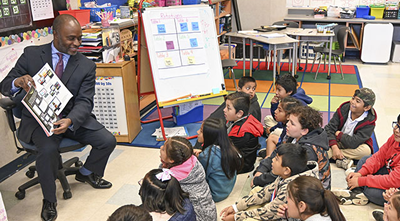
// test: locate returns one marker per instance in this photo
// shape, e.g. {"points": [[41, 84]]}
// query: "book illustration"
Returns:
{"points": [[48, 99]]}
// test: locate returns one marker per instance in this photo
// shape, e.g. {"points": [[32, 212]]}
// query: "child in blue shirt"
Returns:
{"points": [[220, 159]]}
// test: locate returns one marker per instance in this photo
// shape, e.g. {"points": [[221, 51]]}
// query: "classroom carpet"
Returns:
{"points": [[327, 96]]}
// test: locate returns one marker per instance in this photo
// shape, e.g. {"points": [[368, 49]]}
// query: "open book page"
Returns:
{"points": [[48, 99]]}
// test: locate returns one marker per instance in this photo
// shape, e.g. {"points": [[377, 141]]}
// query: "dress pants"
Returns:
{"points": [[48, 157]]}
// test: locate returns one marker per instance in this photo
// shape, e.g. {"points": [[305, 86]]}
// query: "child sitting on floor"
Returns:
{"points": [[247, 85], [162, 196], [309, 201], [304, 128], [263, 174], [350, 129], [220, 159], [289, 163], [177, 155], [286, 85], [243, 128]]}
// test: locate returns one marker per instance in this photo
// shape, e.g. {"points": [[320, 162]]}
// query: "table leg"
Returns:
{"points": [[244, 56], [251, 57], [330, 54], [294, 64], [229, 47], [308, 49]]}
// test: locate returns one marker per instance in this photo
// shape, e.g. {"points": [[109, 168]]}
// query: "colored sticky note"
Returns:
{"points": [[161, 29], [215, 90], [191, 60], [184, 26], [195, 26], [193, 42], [168, 61], [170, 45]]}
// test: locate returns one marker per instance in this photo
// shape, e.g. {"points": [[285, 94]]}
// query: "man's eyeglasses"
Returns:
{"points": [[395, 125]]}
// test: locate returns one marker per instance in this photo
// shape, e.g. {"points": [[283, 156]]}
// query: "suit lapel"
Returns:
{"points": [[70, 68], [46, 55]]}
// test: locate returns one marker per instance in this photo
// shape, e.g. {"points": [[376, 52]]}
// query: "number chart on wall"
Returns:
{"points": [[109, 106], [183, 50], [14, 14]]}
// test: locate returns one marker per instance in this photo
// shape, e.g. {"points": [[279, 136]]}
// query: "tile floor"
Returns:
{"points": [[129, 164]]}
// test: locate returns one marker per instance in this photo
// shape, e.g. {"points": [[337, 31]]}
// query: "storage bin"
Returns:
{"points": [[390, 14], [194, 115], [93, 11], [191, 2], [83, 16], [377, 11], [173, 2], [362, 10]]}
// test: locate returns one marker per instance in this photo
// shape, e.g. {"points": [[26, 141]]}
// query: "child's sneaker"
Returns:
{"points": [[350, 170], [348, 197], [344, 163], [378, 214]]}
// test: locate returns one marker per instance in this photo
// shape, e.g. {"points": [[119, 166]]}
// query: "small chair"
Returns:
{"points": [[341, 36], [230, 63], [13, 107]]}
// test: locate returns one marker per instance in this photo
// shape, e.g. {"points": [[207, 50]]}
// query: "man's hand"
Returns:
{"points": [[24, 82], [63, 125], [336, 153]]}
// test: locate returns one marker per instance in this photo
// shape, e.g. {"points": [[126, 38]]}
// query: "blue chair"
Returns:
{"points": [[13, 108]]}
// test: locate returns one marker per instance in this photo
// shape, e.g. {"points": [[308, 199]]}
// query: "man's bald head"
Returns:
{"points": [[63, 19]]}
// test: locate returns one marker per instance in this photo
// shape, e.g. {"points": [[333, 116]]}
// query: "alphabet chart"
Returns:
{"points": [[41, 9]]}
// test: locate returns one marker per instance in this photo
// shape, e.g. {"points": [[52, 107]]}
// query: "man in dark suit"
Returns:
{"points": [[77, 122]]}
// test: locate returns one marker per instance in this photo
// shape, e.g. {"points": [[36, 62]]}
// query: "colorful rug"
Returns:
{"points": [[327, 96]]}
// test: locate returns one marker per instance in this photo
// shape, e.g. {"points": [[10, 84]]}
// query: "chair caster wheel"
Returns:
{"points": [[296, 76], [329, 77], [20, 194], [300, 68], [30, 173], [78, 164], [67, 195]]}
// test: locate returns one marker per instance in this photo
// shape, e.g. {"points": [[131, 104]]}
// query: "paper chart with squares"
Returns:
{"points": [[14, 13], [109, 106], [179, 43], [41, 9]]}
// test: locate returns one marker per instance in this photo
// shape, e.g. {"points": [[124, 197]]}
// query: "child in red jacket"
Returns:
{"points": [[376, 173]]}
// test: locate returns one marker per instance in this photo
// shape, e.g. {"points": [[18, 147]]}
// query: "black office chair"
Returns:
{"points": [[341, 37], [13, 107]]}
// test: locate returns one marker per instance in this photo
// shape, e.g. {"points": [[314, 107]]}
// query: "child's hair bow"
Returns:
{"points": [[165, 175]]}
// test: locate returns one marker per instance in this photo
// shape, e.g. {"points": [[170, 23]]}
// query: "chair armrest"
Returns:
{"points": [[7, 103]]}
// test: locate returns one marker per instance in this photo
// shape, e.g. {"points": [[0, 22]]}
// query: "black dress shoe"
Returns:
{"points": [[94, 180], [49, 212]]}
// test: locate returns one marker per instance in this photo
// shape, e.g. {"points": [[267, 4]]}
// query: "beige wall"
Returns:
{"points": [[254, 13]]}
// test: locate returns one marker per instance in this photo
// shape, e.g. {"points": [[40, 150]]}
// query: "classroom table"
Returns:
{"points": [[308, 35], [278, 43]]}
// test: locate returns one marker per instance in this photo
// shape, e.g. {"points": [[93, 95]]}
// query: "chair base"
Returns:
{"points": [[66, 170]]}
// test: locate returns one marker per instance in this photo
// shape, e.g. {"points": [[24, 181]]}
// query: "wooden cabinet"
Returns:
{"points": [[117, 83], [222, 8]]}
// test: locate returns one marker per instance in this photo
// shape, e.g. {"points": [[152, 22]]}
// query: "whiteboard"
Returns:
{"points": [[341, 3], [183, 49]]}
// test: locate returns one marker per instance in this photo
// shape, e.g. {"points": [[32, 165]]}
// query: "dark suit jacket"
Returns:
{"points": [[79, 77]]}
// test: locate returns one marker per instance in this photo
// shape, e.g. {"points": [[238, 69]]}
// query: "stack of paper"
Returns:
{"points": [[170, 132], [273, 35], [91, 45]]}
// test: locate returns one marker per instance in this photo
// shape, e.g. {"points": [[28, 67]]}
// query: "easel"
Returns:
{"points": [[145, 72]]}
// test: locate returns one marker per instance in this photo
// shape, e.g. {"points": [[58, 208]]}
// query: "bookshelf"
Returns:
{"points": [[222, 8]]}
